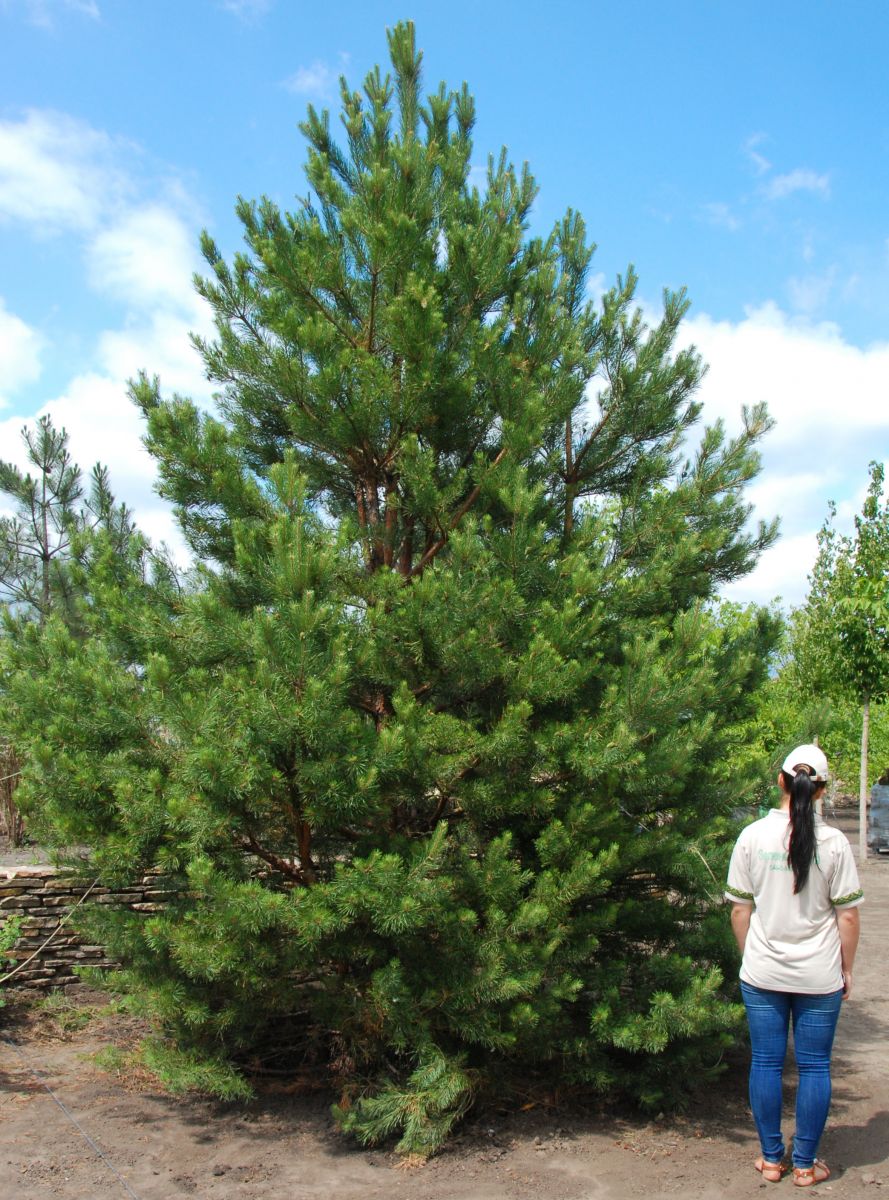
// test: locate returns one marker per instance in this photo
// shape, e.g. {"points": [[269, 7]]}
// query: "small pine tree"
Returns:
{"points": [[46, 547], [436, 747], [34, 541]]}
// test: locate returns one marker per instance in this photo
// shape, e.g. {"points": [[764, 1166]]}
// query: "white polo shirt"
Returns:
{"points": [[793, 944]]}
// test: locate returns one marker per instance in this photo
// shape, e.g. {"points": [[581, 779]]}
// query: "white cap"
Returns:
{"points": [[809, 756]]}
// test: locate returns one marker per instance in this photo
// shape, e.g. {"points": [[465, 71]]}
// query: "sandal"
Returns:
{"points": [[772, 1172], [809, 1176]]}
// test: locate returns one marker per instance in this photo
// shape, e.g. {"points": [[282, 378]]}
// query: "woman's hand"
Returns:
{"points": [[849, 925]]}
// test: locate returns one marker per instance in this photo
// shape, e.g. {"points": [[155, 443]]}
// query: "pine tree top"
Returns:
{"points": [[423, 360]]}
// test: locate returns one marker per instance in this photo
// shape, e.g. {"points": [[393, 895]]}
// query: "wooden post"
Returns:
{"points": [[862, 781]]}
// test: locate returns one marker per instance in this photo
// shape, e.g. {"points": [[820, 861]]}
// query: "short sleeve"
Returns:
{"points": [[845, 888], [739, 886]]}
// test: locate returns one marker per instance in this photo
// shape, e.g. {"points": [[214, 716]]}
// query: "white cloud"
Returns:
{"points": [[160, 345], [147, 257], [810, 375], [799, 180], [58, 173], [721, 215], [759, 162], [20, 351], [104, 426], [317, 80], [792, 494], [830, 402], [781, 573]]}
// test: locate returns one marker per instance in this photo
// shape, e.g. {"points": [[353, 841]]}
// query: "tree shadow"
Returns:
{"points": [[847, 1146]]}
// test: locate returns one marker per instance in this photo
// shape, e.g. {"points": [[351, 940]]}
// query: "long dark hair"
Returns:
{"points": [[801, 851]]}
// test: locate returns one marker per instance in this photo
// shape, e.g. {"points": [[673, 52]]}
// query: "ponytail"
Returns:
{"points": [[802, 788]]}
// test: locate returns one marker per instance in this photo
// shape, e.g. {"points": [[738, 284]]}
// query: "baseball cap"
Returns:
{"points": [[809, 756]]}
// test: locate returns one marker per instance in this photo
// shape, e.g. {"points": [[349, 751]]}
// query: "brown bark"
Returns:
{"points": [[390, 522], [378, 706], [406, 558], [372, 507], [288, 869]]}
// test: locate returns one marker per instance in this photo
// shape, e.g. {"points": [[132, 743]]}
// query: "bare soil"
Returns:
{"points": [[159, 1147], [17, 856]]}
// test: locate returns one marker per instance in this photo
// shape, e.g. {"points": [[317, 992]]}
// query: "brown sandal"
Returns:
{"points": [[809, 1176], [772, 1172]]}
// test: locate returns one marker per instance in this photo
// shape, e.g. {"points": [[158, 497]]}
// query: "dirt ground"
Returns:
{"points": [[160, 1148]]}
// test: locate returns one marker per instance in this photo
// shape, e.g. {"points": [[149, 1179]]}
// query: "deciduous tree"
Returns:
{"points": [[846, 621]]}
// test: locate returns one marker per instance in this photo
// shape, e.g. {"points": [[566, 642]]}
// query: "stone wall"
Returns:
{"points": [[43, 897]]}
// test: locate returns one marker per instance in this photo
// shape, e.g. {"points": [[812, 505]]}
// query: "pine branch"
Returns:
{"points": [[288, 869], [458, 516]]}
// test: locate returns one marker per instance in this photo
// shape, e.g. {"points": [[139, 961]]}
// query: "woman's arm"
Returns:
{"points": [[741, 914], [849, 925]]}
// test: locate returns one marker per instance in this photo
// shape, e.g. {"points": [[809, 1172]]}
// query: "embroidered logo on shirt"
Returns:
{"points": [[777, 859]]}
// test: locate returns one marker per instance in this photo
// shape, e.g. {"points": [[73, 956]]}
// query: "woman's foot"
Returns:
{"points": [[808, 1176], [773, 1172]]}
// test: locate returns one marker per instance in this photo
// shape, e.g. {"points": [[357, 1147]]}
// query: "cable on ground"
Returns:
{"points": [[38, 1075]]}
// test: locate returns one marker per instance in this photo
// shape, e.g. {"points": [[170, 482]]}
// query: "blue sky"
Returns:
{"points": [[741, 150]]}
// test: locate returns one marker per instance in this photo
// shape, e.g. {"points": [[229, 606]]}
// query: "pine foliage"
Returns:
{"points": [[50, 527], [435, 749]]}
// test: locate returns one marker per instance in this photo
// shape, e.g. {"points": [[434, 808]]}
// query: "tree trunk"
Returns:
{"points": [[10, 816], [862, 781], [44, 611]]}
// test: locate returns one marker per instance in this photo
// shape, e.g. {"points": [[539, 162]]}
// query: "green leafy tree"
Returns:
{"points": [[804, 701], [440, 751], [844, 632]]}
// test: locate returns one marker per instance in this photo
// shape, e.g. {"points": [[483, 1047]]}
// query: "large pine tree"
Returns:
{"points": [[435, 749]]}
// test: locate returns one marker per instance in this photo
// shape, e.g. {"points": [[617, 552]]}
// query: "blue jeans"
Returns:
{"points": [[814, 1023]]}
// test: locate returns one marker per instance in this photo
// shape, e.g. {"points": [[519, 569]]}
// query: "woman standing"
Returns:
{"points": [[795, 895]]}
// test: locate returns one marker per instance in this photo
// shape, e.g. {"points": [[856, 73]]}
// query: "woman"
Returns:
{"points": [[795, 895]]}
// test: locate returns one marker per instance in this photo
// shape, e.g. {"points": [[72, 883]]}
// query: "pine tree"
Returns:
{"points": [[48, 534], [441, 749], [46, 547], [34, 541]]}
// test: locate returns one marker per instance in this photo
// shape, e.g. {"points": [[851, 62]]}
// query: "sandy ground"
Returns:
{"points": [[21, 856], [163, 1148]]}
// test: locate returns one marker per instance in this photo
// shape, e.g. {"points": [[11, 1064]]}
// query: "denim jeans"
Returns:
{"points": [[814, 1023]]}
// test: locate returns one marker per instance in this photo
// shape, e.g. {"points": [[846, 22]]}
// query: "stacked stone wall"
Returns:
{"points": [[43, 897]]}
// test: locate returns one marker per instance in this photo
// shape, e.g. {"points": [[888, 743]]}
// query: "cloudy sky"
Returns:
{"points": [[741, 150]]}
